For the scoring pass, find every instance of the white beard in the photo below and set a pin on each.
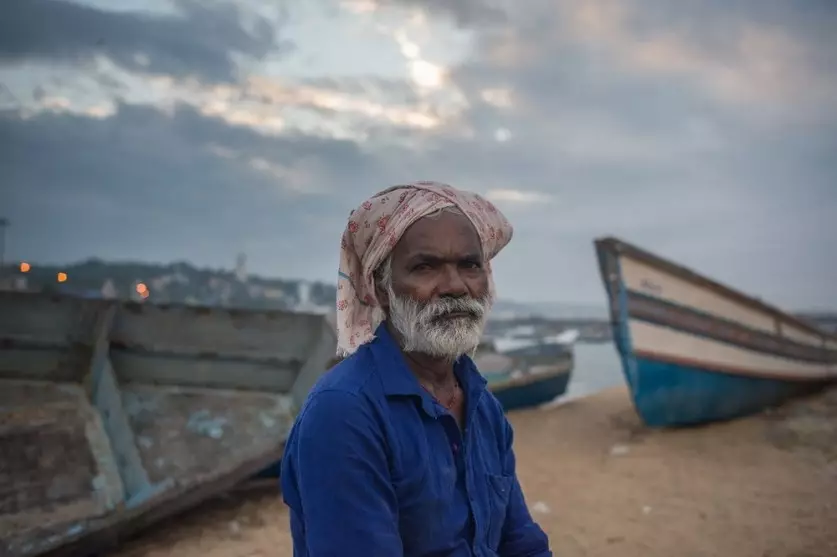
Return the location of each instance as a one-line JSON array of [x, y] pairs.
[[427, 329]]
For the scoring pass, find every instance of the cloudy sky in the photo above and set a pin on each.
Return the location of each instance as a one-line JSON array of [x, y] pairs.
[[162, 130]]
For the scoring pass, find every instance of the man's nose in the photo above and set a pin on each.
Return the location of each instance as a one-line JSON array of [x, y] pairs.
[[452, 283]]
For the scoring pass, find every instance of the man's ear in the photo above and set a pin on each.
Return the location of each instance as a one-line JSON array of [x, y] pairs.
[[383, 297]]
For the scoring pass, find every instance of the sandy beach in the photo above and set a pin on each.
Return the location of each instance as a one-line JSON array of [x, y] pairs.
[[602, 484]]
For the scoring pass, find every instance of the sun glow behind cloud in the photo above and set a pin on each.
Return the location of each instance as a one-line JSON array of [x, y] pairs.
[[283, 96]]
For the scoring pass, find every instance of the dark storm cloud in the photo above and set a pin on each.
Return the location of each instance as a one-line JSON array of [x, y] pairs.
[[148, 185], [201, 42]]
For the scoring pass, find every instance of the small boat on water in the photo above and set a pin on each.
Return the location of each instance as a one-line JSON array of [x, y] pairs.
[[694, 351], [115, 415], [527, 372]]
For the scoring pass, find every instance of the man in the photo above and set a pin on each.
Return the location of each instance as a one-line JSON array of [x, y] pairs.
[[400, 450]]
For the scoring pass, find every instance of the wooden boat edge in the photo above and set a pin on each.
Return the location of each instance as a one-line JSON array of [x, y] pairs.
[[617, 246], [613, 246], [657, 409]]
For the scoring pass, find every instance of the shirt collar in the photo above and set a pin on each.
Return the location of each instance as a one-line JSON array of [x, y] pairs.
[[398, 380]]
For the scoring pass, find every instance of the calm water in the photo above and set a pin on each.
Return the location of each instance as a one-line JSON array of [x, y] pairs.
[[597, 367]]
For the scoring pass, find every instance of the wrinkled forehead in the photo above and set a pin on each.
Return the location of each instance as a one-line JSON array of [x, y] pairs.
[[447, 231]]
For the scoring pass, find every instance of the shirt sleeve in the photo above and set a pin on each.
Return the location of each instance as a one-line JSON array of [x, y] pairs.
[[345, 494], [522, 537]]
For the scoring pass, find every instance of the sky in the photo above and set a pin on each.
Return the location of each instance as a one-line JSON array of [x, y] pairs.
[[166, 130]]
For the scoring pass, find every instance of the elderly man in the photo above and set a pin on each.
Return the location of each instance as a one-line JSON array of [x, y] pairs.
[[400, 450]]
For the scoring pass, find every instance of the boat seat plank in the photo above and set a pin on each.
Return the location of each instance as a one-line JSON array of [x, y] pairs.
[[104, 393]]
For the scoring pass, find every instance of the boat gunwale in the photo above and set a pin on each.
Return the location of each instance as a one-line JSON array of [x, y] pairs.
[[134, 306], [621, 247]]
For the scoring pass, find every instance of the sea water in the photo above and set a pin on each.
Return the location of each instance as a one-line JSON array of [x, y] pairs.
[[597, 367]]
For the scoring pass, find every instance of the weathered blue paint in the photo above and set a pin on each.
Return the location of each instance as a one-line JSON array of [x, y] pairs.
[[670, 394], [667, 394], [149, 492], [539, 390], [106, 397]]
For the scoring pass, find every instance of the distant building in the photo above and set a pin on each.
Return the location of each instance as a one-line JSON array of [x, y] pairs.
[[109, 290], [241, 267]]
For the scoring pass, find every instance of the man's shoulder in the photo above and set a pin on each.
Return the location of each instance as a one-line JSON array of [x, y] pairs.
[[350, 384], [354, 375], [343, 399]]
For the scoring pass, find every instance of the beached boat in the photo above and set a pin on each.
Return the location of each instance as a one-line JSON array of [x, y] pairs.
[[695, 351], [526, 373], [114, 415]]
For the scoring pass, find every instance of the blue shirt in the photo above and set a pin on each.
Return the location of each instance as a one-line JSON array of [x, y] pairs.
[[374, 467]]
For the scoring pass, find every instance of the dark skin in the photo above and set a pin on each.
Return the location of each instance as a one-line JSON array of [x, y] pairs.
[[436, 258]]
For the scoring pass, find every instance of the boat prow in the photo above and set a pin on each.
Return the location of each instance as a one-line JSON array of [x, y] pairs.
[[695, 351]]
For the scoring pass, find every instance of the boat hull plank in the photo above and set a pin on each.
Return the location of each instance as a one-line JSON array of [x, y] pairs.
[[195, 434], [668, 344], [56, 468]]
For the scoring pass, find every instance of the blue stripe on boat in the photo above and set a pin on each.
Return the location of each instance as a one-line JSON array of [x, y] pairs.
[[675, 394]]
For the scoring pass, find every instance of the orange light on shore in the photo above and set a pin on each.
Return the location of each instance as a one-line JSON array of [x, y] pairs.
[[25, 267], [62, 277], [142, 290]]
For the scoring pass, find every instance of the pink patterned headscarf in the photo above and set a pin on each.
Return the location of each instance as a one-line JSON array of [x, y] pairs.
[[372, 232]]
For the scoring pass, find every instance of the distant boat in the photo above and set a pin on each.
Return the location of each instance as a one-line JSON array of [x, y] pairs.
[[518, 339], [523, 373], [694, 351]]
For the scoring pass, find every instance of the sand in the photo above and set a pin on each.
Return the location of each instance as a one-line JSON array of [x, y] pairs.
[[601, 484]]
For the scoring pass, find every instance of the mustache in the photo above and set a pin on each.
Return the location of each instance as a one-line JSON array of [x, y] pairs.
[[441, 308]]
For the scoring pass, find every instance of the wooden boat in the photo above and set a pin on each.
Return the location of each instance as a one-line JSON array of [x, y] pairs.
[[527, 375], [114, 415], [695, 351]]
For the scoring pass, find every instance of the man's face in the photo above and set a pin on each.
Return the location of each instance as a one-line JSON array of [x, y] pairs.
[[437, 295]]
